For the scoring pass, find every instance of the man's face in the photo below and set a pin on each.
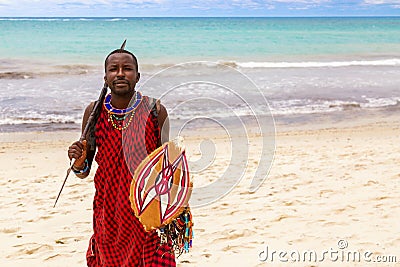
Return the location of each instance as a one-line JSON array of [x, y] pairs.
[[121, 75]]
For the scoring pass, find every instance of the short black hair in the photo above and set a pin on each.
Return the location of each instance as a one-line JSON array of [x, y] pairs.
[[116, 51]]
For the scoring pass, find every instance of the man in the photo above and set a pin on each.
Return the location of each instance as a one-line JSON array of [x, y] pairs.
[[127, 129]]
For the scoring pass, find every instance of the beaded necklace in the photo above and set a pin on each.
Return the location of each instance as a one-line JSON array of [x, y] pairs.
[[136, 99], [119, 123], [114, 114]]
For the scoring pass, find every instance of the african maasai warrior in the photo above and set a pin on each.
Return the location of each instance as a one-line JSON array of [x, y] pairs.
[[127, 129]]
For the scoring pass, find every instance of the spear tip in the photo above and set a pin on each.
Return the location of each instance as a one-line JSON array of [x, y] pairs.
[[123, 45]]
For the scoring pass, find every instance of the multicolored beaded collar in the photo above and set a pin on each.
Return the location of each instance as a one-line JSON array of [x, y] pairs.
[[120, 123], [111, 110]]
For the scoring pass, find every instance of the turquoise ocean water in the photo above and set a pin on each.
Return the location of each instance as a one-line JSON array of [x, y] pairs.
[[50, 68], [168, 39]]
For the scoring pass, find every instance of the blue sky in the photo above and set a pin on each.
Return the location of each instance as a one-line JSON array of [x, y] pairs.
[[189, 8]]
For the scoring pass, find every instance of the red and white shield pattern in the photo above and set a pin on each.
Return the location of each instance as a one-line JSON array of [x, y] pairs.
[[160, 186]]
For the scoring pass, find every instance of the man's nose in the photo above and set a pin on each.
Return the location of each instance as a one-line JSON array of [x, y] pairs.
[[120, 72]]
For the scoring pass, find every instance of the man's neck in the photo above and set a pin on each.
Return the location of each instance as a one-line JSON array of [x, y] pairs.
[[121, 102]]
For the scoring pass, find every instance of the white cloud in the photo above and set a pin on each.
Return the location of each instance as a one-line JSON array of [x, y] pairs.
[[75, 2], [392, 3], [299, 8], [209, 3], [245, 4], [301, 1], [140, 7], [92, 2], [70, 7], [382, 2]]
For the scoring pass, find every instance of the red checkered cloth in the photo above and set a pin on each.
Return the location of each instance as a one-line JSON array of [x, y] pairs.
[[119, 238]]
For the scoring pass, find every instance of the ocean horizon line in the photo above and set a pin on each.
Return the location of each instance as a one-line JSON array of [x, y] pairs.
[[199, 17]]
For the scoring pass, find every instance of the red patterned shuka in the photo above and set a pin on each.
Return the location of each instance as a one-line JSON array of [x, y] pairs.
[[119, 239]]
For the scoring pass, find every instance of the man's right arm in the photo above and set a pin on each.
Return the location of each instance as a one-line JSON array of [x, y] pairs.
[[82, 151]]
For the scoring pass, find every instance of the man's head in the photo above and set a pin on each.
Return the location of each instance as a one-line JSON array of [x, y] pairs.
[[119, 50], [121, 72]]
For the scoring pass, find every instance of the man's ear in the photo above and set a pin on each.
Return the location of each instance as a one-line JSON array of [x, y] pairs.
[[106, 81], [138, 77]]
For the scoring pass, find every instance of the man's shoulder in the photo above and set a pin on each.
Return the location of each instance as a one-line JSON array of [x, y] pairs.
[[154, 103], [89, 107]]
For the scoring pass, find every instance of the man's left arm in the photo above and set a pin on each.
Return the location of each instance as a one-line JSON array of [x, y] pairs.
[[163, 122]]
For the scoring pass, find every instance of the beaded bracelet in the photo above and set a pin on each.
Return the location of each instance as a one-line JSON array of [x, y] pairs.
[[83, 170]]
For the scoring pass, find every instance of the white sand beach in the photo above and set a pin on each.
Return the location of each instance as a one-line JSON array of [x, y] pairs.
[[330, 183]]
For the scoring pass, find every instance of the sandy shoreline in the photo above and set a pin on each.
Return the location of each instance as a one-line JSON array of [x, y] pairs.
[[327, 183]]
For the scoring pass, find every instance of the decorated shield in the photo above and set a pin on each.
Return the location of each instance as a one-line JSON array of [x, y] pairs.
[[161, 186]]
